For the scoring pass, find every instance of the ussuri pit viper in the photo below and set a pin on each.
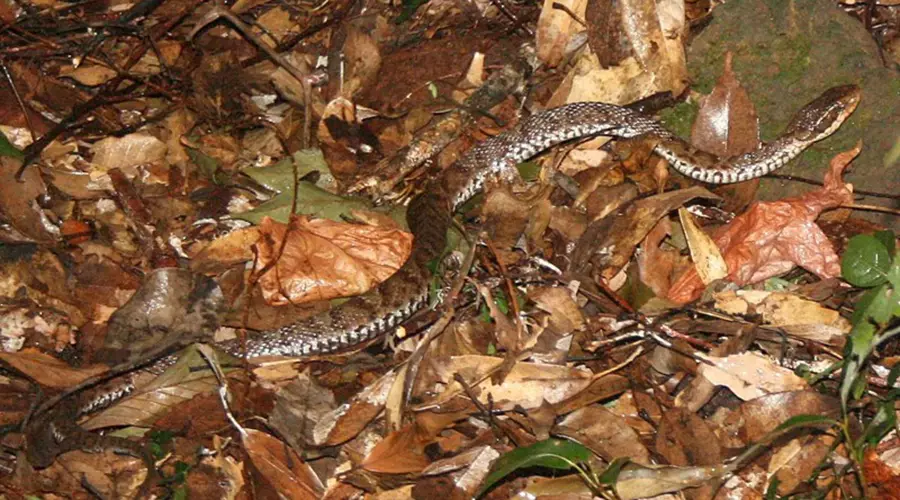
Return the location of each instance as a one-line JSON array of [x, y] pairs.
[[429, 216]]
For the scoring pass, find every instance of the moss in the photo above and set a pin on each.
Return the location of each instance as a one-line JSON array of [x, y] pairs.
[[680, 118]]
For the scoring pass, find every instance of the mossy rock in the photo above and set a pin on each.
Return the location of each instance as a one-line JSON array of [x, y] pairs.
[[786, 52]]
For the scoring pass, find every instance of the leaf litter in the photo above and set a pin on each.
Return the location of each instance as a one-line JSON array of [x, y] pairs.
[[621, 332]]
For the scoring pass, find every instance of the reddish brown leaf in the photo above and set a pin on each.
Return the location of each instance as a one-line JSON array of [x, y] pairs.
[[323, 259], [400, 452], [281, 466], [49, 371], [772, 237]]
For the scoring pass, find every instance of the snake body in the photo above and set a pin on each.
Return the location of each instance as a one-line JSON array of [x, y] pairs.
[[429, 216]]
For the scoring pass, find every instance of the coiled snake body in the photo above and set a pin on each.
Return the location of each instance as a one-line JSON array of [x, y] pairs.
[[395, 300]]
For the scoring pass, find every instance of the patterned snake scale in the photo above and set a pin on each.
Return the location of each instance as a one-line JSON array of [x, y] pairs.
[[364, 317]]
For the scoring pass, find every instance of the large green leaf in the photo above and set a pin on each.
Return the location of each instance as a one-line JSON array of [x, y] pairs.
[[866, 261], [551, 453]]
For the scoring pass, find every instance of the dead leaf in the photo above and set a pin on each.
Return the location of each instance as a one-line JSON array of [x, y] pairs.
[[749, 375], [555, 28], [18, 204], [323, 259], [726, 126], [189, 377], [128, 152], [49, 371], [604, 433], [772, 237], [281, 466], [349, 419], [89, 74], [399, 452], [706, 256], [363, 60]]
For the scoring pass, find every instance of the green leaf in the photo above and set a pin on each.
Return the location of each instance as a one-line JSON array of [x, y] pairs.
[[611, 474], [866, 261], [551, 453], [858, 349], [772, 489], [529, 171], [881, 424], [888, 239], [208, 165], [875, 305], [804, 421], [7, 149], [311, 200], [892, 376], [280, 176]]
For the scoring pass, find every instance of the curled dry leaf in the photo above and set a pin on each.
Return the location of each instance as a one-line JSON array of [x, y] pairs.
[[798, 316], [323, 259], [772, 237], [180, 383], [706, 256]]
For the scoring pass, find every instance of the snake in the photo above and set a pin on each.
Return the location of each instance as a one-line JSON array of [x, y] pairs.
[[429, 214]]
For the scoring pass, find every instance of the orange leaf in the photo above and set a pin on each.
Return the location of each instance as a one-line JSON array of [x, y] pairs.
[[772, 237], [400, 452], [323, 259]]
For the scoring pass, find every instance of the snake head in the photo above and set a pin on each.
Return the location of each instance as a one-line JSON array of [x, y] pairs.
[[821, 117]]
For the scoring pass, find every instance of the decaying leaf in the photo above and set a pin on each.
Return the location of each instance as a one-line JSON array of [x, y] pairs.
[[322, 259], [281, 466], [772, 237], [750, 375]]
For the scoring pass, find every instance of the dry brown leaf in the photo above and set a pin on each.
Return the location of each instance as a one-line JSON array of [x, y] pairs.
[[615, 243], [706, 256], [772, 237], [128, 152], [19, 207], [281, 466], [49, 371], [349, 419], [798, 316], [323, 259], [749, 375], [683, 438], [362, 59], [228, 250], [527, 384], [555, 28], [89, 74], [565, 316], [652, 60], [399, 452], [762, 415], [298, 406], [727, 126], [605, 433], [655, 265], [188, 378]]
